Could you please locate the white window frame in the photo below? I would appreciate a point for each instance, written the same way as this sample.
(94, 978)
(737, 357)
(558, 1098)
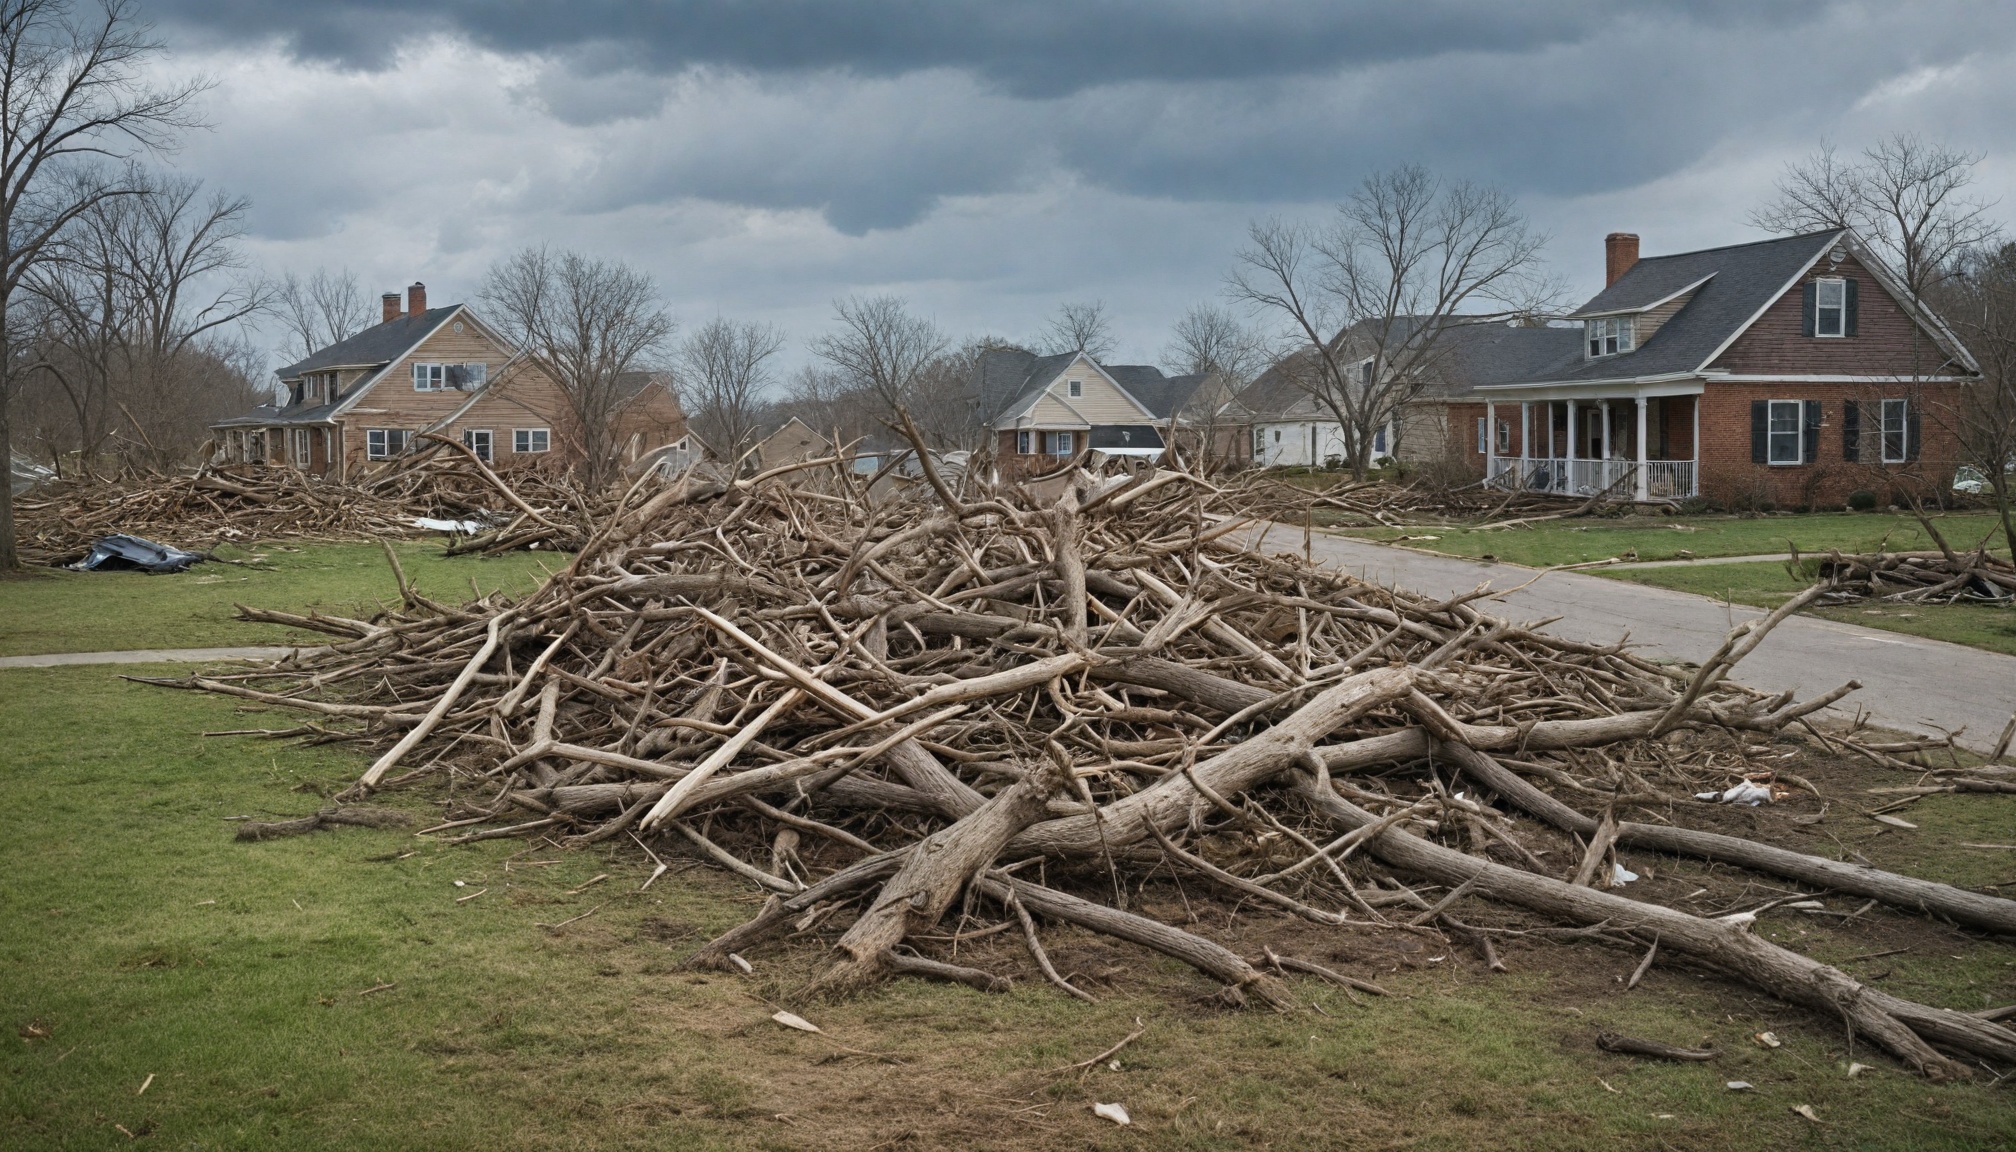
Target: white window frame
(1483, 436)
(1022, 439)
(1074, 389)
(430, 377)
(1772, 434)
(487, 453)
(302, 448)
(528, 436)
(385, 443)
(1839, 309)
(1608, 336)
(1504, 437)
(1063, 443)
(1901, 429)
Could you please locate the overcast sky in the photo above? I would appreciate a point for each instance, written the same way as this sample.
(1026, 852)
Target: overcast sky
(989, 159)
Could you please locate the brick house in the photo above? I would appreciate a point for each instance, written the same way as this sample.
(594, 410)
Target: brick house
(1787, 372)
(444, 371)
(1042, 410)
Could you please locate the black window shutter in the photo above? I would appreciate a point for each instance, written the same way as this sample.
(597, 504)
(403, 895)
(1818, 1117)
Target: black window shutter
(1851, 431)
(1810, 409)
(1848, 321)
(1806, 302)
(1911, 432)
(1760, 423)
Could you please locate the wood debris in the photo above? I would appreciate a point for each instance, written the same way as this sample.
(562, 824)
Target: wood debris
(1035, 696)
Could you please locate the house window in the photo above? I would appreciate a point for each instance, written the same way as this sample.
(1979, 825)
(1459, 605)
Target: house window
(1608, 335)
(1830, 307)
(430, 377)
(1504, 437)
(304, 448)
(1483, 437)
(477, 440)
(1896, 441)
(385, 443)
(1379, 441)
(530, 439)
(1060, 442)
(1022, 443)
(1784, 446)
(1075, 389)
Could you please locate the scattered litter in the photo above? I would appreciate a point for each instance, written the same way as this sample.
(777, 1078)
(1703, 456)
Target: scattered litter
(1744, 793)
(1806, 1110)
(458, 527)
(1893, 821)
(1739, 1086)
(1114, 1112)
(461, 883)
(1768, 1040)
(1113, 1065)
(1620, 874)
(1804, 905)
(792, 1020)
(1855, 1070)
(741, 965)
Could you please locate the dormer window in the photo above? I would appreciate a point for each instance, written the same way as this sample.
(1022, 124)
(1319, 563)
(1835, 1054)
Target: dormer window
(1608, 335)
(1830, 306)
(1075, 389)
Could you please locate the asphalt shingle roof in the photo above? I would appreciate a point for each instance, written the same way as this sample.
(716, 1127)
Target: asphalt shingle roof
(380, 344)
(1468, 355)
(1008, 375)
(1741, 280)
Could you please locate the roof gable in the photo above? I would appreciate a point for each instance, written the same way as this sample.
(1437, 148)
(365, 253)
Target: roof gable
(376, 346)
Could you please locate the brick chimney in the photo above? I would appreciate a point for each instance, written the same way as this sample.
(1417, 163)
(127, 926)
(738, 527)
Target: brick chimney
(1620, 252)
(416, 296)
(390, 300)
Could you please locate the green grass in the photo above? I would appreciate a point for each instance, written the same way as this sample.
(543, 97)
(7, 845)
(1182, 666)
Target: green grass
(56, 611)
(1769, 584)
(1665, 538)
(138, 938)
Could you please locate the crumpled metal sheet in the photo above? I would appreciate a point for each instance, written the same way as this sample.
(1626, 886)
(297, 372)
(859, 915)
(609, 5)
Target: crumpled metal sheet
(121, 552)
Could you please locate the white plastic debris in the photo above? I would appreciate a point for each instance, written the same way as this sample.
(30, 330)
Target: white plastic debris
(1806, 1110)
(1806, 905)
(464, 527)
(461, 883)
(1744, 793)
(1768, 1040)
(1620, 874)
(792, 1020)
(1115, 1112)
(741, 965)
(1739, 919)
(1740, 1085)
(1855, 1070)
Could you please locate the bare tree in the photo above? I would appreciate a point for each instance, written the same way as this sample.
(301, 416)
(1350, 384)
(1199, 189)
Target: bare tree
(1978, 302)
(1368, 296)
(724, 375)
(1082, 326)
(1209, 339)
(885, 352)
(324, 309)
(829, 403)
(74, 91)
(139, 296)
(1906, 196)
(587, 322)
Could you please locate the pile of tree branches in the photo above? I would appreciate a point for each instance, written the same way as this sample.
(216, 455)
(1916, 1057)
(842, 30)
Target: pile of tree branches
(246, 503)
(1030, 701)
(1943, 577)
(1388, 504)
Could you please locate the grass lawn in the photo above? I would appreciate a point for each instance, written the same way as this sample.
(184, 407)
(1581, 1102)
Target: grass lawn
(143, 941)
(1666, 538)
(57, 611)
(1769, 584)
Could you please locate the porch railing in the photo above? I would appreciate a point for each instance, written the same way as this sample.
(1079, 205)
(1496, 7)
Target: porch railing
(1664, 479)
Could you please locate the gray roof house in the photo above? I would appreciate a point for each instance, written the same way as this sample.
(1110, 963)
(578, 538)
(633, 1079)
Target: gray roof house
(1054, 406)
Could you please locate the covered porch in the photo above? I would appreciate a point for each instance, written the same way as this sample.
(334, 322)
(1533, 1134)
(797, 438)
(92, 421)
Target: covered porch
(1640, 444)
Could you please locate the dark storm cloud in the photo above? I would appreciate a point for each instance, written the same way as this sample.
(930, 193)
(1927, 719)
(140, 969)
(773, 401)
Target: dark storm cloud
(1033, 49)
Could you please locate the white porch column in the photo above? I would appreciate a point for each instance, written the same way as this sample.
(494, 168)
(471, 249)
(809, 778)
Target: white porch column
(1644, 492)
(1525, 441)
(1490, 439)
(1551, 453)
(1604, 406)
(1696, 484)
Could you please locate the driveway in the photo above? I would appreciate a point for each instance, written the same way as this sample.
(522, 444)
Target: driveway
(1908, 683)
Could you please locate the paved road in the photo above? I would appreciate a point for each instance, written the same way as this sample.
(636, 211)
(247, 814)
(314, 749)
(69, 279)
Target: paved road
(143, 656)
(1908, 683)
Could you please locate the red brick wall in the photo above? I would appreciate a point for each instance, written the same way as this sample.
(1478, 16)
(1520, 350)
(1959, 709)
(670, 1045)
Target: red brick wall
(1728, 476)
(1886, 342)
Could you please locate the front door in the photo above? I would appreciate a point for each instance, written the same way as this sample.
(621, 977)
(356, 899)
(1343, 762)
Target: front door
(477, 440)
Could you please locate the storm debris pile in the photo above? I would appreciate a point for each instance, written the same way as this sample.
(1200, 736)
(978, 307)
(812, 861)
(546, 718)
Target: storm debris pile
(1029, 700)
